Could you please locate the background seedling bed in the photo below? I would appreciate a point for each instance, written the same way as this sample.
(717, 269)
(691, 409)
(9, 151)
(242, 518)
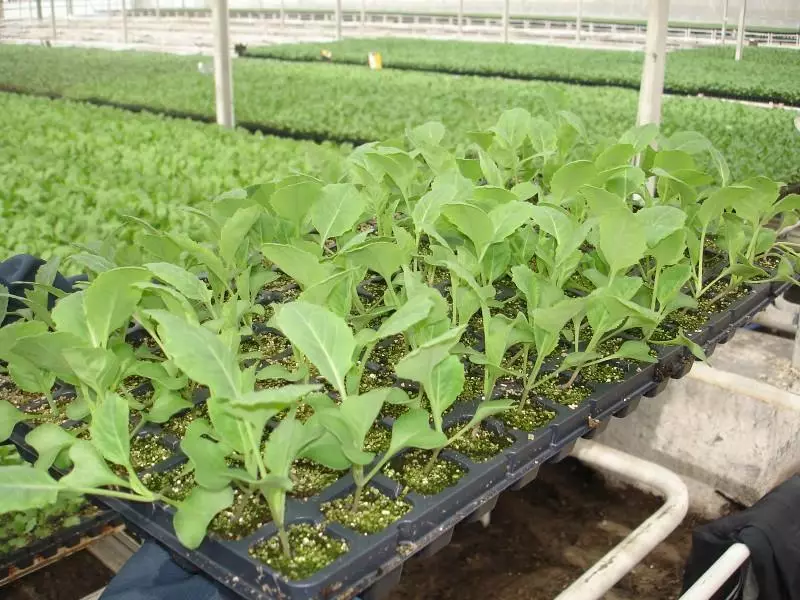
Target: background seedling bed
(373, 565)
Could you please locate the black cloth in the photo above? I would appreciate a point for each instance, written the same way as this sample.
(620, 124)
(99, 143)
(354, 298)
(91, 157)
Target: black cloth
(771, 530)
(19, 272)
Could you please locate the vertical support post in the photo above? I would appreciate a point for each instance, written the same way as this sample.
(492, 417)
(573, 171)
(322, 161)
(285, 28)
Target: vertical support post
(460, 17)
(124, 23)
(283, 14)
(579, 22)
(724, 19)
(740, 32)
(223, 80)
(69, 8)
(338, 19)
(2, 10)
(652, 87)
(363, 15)
(53, 17)
(506, 10)
(39, 10)
(158, 9)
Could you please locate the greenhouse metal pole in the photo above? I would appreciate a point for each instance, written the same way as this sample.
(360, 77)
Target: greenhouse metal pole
(283, 14)
(579, 22)
(724, 19)
(460, 17)
(506, 9)
(363, 15)
(740, 32)
(124, 23)
(223, 81)
(652, 87)
(53, 17)
(338, 19)
(158, 9)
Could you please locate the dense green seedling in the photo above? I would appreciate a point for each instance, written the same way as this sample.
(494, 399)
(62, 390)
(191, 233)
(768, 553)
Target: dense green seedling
(370, 105)
(710, 71)
(524, 255)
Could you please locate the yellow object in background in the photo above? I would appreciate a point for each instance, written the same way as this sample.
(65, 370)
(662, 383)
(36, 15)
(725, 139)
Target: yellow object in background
(326, 55)
(375, 61)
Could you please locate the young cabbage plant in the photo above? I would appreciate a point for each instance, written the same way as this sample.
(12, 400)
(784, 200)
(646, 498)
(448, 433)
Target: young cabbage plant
(540, 330)
(347, 425)
(442, 377)
(238, 415)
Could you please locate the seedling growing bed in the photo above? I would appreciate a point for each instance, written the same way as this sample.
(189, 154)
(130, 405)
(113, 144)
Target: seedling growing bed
(327, 372)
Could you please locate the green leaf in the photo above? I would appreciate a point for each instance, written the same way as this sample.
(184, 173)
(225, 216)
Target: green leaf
(670, 282)
(9, 334)
(409, 314)
(420, 361)
(671, 249)
(89, 469)
(338, 210)
(682, 340)
(640, 136)
(200, 354)
(46, 350)
(23, 488)
(110, 300)
(9, 417)
(570, 177)
(513, 127)
(622, 240)
(69, 315)
(196, 512)
(659, 222)
(49, 440)
(206, 456)
(302, 266)
(277, 398)
(235, 230)
(182, 280)
(280, 372)
(412, 430)
(491, 172)
(323, 337)
(382, 257)
(445, 383)
(635, 350)
(109, 429)
(361, 411)
(473, 222)
(166, 404)
(487, 408)
(294, 198)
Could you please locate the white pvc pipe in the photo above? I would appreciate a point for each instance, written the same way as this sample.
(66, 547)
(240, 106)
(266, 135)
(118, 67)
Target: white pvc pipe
(579, 22)
(739, 384)
(652, 87)
(460, 16)
(713, 579)
(363, 15)
(223, 80)
(338, 19)
(602, 576)
(740, 32)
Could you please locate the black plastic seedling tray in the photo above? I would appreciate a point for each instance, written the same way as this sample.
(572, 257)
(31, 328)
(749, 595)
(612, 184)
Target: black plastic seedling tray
(373, 564)
(90, 526)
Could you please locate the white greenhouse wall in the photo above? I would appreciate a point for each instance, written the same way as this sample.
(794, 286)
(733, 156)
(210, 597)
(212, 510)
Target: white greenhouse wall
(776, 13)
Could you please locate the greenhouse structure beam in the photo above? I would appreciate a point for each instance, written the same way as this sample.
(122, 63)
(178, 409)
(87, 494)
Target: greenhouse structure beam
(740, 30)
(652, 86)
(223, 80)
